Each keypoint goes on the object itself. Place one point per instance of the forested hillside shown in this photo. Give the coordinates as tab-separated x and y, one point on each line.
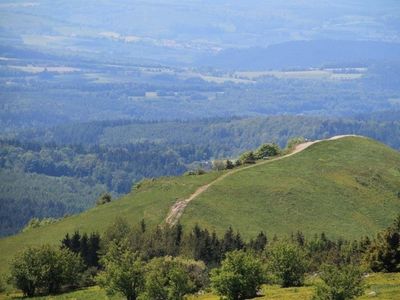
218	137
39	180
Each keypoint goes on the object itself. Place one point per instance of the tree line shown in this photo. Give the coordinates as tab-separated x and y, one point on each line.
168	263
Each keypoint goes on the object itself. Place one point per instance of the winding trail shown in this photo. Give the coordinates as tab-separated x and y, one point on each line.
177	209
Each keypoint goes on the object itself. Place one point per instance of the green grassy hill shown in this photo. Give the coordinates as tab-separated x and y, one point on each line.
347	187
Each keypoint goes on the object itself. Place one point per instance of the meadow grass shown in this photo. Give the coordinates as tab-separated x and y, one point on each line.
381	287
345	188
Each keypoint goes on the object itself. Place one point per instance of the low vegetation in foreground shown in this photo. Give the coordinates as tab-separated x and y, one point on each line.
144	263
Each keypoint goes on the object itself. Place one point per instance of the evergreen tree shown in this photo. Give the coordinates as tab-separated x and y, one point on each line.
259	243
228	243
76	242
94	248
384	252
238	242
215	249
84	248
66	242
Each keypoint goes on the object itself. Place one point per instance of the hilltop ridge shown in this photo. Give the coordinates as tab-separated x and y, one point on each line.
177	209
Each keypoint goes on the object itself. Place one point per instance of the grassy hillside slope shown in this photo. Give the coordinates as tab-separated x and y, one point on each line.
151	202
347	187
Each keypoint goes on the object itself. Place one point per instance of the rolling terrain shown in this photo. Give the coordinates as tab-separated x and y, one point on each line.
347	187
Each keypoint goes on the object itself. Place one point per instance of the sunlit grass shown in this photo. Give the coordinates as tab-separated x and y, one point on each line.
381	287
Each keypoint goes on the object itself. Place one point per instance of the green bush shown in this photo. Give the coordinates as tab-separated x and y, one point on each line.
45	269
168	279
123	272
287	263
239	277
267	150
88	277
103	199
247	158
340	283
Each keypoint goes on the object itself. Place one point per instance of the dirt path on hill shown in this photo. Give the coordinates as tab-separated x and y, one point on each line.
177	209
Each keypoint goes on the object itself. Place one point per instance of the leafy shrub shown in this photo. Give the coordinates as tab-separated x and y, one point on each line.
103	199
88	277
239	277
123	272
267	150
247	158
45	269
168	279
340	283
287	263
197	272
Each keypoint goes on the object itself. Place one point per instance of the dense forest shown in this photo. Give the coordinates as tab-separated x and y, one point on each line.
52	181
218	137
